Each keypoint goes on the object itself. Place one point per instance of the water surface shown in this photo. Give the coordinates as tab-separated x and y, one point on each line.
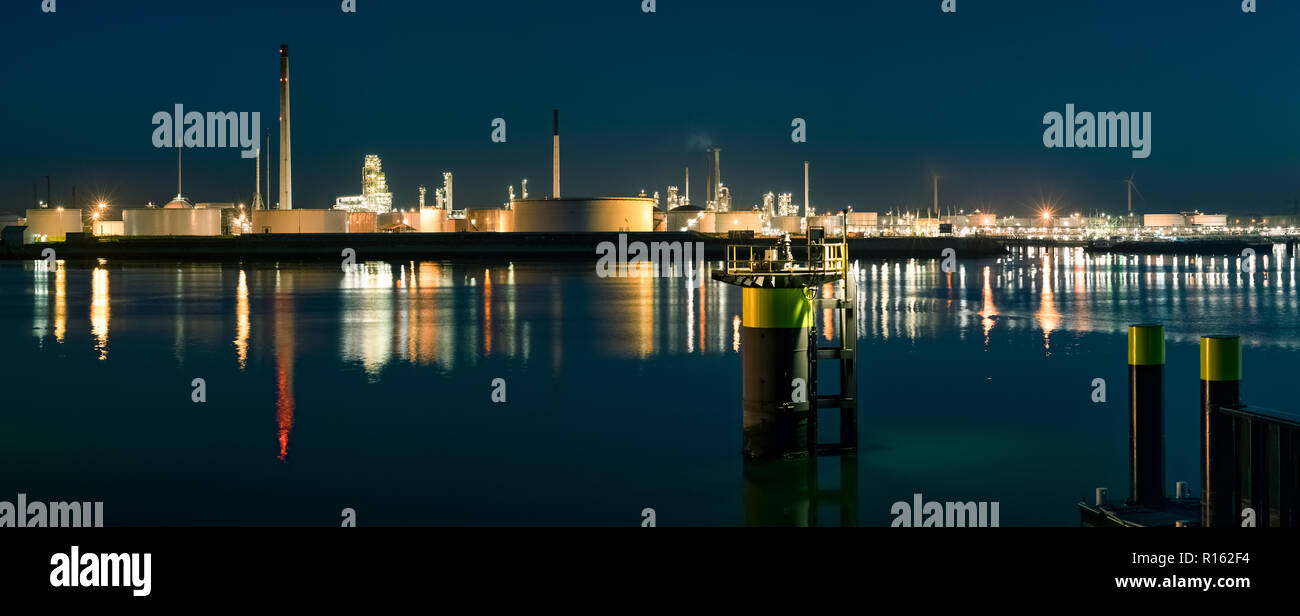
373	389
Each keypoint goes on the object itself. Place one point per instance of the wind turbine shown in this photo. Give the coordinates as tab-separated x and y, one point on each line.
1131	187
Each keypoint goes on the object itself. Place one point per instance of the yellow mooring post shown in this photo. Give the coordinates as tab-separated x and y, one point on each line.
1146	384
1220	387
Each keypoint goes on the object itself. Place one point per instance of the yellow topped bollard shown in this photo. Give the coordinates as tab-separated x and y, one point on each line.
1146	384
1220	387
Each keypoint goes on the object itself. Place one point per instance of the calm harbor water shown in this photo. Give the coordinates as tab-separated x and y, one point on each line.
373	389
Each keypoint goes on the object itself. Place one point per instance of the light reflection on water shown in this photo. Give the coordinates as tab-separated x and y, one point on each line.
562	322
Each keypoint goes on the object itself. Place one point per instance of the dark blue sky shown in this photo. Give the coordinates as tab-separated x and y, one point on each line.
892	91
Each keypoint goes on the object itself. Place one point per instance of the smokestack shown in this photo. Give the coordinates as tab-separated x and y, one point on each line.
708	179
555	157
717	177
286	162
268	167
688	186
807	206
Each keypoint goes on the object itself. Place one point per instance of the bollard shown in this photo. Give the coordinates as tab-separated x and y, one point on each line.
1146	381
1220	386
774	351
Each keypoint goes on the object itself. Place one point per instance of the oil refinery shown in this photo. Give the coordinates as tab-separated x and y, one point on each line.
374	211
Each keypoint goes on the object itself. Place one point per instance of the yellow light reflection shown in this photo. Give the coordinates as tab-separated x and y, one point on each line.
241	320
99	310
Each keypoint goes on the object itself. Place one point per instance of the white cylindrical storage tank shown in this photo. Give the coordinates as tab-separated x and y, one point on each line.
738	221
1164	220
300	221
53	224
1210	220
492	219
831	222
175	221
363	222
429	220
786	224
862	222
569	215
103	228
691	218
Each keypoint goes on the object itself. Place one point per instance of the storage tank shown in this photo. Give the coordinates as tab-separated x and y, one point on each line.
577	215
490	219
1210	220
103	228
53	224
691	218
831	222
786	224
863	223
429	220
176	221
738	221
363	222
1164	220
300	221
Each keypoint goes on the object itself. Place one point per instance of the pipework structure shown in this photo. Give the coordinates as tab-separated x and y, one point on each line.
374	196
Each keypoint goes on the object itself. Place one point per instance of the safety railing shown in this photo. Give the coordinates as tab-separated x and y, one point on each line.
767	259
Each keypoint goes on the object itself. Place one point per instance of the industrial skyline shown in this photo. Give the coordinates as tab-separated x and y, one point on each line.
913	93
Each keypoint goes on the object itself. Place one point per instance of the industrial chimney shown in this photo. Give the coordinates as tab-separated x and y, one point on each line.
286	162
555	157
807	207
717	178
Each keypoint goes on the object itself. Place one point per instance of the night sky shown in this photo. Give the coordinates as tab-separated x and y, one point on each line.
893	92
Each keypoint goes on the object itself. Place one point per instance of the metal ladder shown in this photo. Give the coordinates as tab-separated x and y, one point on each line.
846	401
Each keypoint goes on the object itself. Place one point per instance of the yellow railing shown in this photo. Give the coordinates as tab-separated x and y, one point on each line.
765	259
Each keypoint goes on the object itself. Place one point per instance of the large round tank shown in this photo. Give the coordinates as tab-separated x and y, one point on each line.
490	219
53	224
738	221
300	221
787	224
691	218
570	215
363	222
175	221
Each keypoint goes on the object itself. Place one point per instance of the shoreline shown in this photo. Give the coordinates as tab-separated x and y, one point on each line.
408	246
555	246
